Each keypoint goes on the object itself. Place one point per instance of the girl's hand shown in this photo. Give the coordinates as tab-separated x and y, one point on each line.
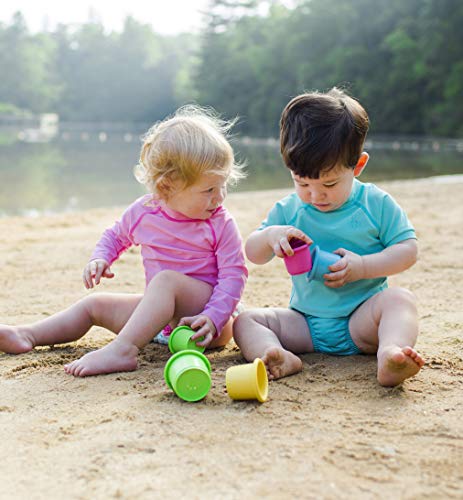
95	270
346	270
280	236
202	325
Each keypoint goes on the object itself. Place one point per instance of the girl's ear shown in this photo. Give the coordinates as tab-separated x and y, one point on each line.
361	164
164	188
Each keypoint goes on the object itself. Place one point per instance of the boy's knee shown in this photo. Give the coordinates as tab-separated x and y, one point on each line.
399	297
247	319
242	322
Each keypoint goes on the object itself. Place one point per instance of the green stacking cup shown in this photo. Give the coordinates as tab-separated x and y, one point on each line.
188	374
180	339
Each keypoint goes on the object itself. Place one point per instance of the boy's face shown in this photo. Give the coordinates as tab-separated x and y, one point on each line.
328	192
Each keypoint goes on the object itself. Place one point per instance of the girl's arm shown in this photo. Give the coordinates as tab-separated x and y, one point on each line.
232	275
112	243
118	238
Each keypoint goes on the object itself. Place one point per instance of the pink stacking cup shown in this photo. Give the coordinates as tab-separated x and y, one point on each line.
301	261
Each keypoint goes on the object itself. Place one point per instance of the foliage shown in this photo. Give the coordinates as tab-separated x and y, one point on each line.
402	59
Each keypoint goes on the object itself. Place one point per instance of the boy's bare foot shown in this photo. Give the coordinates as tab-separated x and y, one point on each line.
14	340
395	364
280	362
115	357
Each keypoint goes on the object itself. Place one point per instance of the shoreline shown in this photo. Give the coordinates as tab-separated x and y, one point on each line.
437	179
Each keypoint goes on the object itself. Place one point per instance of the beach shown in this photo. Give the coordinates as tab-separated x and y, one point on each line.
328	432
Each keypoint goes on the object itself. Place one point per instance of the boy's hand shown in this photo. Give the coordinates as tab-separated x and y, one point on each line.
346	270
280	236
95	270
203	326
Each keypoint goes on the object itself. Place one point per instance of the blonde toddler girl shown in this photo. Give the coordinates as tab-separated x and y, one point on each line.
190	246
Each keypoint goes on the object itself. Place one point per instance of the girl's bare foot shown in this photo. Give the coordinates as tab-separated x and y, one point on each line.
280	362
14	340
115	357
395	364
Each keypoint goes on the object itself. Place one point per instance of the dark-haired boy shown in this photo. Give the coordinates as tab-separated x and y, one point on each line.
353	311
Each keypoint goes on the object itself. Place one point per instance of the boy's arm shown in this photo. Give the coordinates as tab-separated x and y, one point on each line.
354	267
392	260
264	244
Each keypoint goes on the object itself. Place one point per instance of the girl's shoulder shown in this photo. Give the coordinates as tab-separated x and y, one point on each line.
221	216
146	203
137	209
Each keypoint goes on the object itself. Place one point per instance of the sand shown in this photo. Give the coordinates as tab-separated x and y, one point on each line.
329	432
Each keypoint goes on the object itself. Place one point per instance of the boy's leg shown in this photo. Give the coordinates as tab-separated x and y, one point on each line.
274	335
170	295
387	324
101	309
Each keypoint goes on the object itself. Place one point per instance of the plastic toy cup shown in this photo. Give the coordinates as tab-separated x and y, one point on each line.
301	261
248	381
188	374
321	260
180	339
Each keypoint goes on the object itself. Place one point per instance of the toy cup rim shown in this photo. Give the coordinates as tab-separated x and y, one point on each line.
200	349
180	354
315	254
261	395
297	250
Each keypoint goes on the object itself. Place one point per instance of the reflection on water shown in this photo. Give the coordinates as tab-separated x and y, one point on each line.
75	174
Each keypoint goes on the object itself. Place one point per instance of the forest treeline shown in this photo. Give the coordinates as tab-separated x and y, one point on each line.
402	58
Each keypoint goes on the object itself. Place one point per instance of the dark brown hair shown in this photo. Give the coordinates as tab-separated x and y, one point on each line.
321	131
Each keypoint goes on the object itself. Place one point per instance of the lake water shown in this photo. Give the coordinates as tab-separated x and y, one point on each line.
77	171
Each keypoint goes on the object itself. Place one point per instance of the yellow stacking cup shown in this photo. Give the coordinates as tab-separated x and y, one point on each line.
248	381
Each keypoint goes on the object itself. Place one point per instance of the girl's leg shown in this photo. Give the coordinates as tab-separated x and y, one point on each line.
170	295
110	311
273	335
387	324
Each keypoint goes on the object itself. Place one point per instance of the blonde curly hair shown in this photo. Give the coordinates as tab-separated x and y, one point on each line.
185	146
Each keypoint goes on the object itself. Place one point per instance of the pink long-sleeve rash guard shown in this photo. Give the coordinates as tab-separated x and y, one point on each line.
209	250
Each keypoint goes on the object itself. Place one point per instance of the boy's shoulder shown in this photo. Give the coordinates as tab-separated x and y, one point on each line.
290	202
369	194
369	189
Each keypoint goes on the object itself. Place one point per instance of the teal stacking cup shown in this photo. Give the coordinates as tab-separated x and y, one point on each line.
180	339
188	374
321	261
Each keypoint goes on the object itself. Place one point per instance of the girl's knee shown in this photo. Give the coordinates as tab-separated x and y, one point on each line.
165	279
94	305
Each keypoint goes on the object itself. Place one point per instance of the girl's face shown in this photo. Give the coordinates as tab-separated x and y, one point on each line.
200	200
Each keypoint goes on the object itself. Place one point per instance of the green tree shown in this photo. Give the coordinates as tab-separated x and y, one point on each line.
29	80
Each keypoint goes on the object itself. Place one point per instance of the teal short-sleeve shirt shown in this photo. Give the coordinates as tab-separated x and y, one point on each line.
368	222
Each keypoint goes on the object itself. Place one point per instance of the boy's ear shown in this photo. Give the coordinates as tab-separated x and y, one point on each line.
361	164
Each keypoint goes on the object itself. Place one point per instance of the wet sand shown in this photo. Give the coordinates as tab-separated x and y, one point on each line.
329	432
